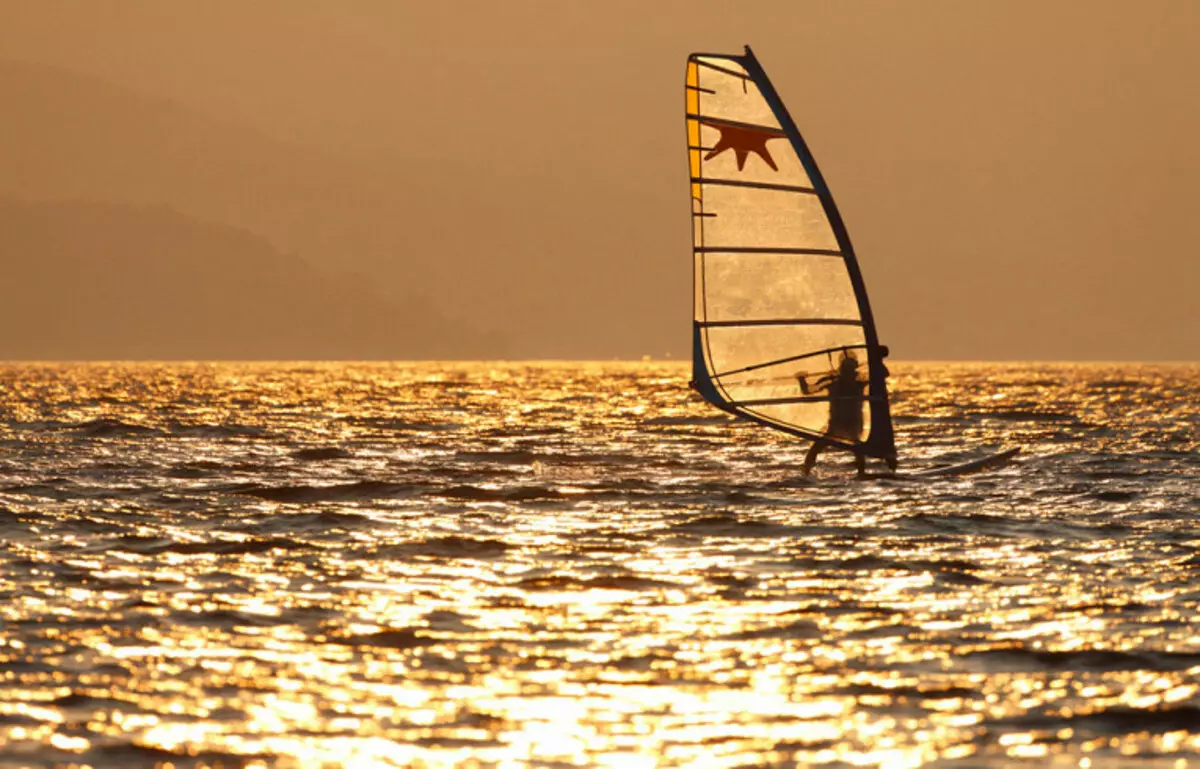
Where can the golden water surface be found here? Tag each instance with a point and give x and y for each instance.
(581, 565)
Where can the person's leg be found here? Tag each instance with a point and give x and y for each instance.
(811, 458)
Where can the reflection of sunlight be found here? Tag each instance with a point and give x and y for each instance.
(279, 715)
(175, 737)
(367, 752)
(589, 627)
(69, 744)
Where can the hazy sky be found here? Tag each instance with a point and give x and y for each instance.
(1020, 179)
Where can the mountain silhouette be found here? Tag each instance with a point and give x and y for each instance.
(69, 136)
(92, 280)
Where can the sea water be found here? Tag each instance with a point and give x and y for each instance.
(584, 565)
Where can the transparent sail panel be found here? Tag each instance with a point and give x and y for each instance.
(765, 286)
(745, 217)
(750, 372)
(773, 296)
(732, 97)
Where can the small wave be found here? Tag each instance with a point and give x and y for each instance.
(902, 419)
(642, 663)
(195, 470)
(33, 490)
(727, 526)
(857, 563)
(1119, 475)
(392, 638)
(217, 431)
(1111, 721)
(15, 719)
(910, 692)
(598, 458)
(79, 701)
(334, 493)
(446, 384)
(588, 466)
(798, 630)
(112, 428)
(628, 582)
(604, 582)
(611, 536)
(502, 457)
(57, 488)
(155, 545)
(959, 579)
(518, 431)
(442, 547)
(1115, 384)
(132, 754)
(460, 744)
(1018, 415)
(516, 494)
(684, 421)
(618, 488)
(449, 622)
(39, 425)
(34, 668)
(226, 619)
(1021, 659)
(400, 425)
(883, 631)
(1114, 495)
(324, 522)
(1127, 720)
(1159, 516)
(949, 571)
(1191, 561)
(982, 524)
(324, 452)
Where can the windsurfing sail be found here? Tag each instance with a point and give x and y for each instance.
(779, 299)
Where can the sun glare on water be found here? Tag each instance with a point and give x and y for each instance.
(580, 565)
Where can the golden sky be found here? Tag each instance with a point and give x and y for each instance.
(1020, 179)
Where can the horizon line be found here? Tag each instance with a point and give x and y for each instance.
(493, 361)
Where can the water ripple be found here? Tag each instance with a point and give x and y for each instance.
(582, 565)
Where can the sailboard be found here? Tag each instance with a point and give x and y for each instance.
(779, 298)
(939, 471)
(989, 462)
(780, 306)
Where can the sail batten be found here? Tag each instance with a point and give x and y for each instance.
(788, 359)
(774, 314)
(703, 61)
(780, 322)
(761, 250)
(784, 401)
(718, 122)
(753, 185)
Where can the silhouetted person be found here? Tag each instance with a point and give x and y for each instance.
(846, 395)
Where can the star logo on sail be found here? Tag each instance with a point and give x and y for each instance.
(743, 140)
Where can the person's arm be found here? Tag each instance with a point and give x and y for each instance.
(822, 383)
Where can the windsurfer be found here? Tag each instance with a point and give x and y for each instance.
(846, 395)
